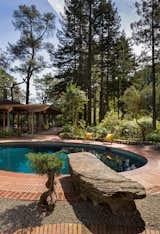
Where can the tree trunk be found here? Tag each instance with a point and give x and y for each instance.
(106, 106)
(118, 97)
(27, 90)
(43, 201)
(95, 109)
(153, 71)
(85, 113)
(101, 110)
(80, 73)
(90, 65)
(12, 95)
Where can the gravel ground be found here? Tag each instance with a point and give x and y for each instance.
(20, 214)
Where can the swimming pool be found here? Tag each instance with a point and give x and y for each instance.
(13, 156)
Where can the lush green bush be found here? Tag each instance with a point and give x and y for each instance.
(66, 135)
(99, 132)
(8, 133)
(110, 122)
(135, 129)
(125, 129)
(158, 127)
(128, 129)
(145, 126)
(46, 126)
(120, 128)
(73, 102)
(68, 128)
(72, 132)
(76, 134)
(59, 120)
(134, 102)
(153, 136)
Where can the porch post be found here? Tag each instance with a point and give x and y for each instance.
(32, 123)
(8, 120)
(4, 120)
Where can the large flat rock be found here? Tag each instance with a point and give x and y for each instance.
(95, 181)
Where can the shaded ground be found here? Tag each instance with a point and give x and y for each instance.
(20, 214)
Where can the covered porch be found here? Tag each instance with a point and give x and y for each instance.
(27, 118)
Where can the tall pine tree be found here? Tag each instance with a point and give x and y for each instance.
(147, 31)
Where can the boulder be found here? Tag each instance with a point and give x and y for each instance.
(97, 182)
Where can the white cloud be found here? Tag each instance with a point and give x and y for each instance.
(58, 5)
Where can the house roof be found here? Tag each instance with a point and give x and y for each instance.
(30, 108)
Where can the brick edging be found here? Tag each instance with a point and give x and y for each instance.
(27, 196)
(75, 228)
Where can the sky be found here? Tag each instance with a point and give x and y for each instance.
(126, 11)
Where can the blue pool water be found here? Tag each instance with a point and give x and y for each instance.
(13, 157)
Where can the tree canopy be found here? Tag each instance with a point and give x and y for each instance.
(93, 71)
(34, 27)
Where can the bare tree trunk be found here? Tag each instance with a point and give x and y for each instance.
(101, 110)
(90, 65)
(95, 110)
(153, 71)
(27, 90)
(43, 201)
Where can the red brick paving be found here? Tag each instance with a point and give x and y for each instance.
(70, 228)
(30, 186)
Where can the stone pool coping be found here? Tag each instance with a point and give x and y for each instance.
(29, 187)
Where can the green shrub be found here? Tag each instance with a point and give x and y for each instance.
(68, 128)
(46, 127)
(145, 126)
(59, 121)
(158, 127)
(135, 129)
(110, 122)
(153, 136)
(128, 129)
(78, 132)
(72, 132)
(100, 132)
(73, 102)
(82, 124)
(8, 133)
(66, 135)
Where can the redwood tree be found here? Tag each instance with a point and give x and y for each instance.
(146, 31)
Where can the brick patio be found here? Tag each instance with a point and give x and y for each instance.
(20, 186)
(29, 187)
(70, 228)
